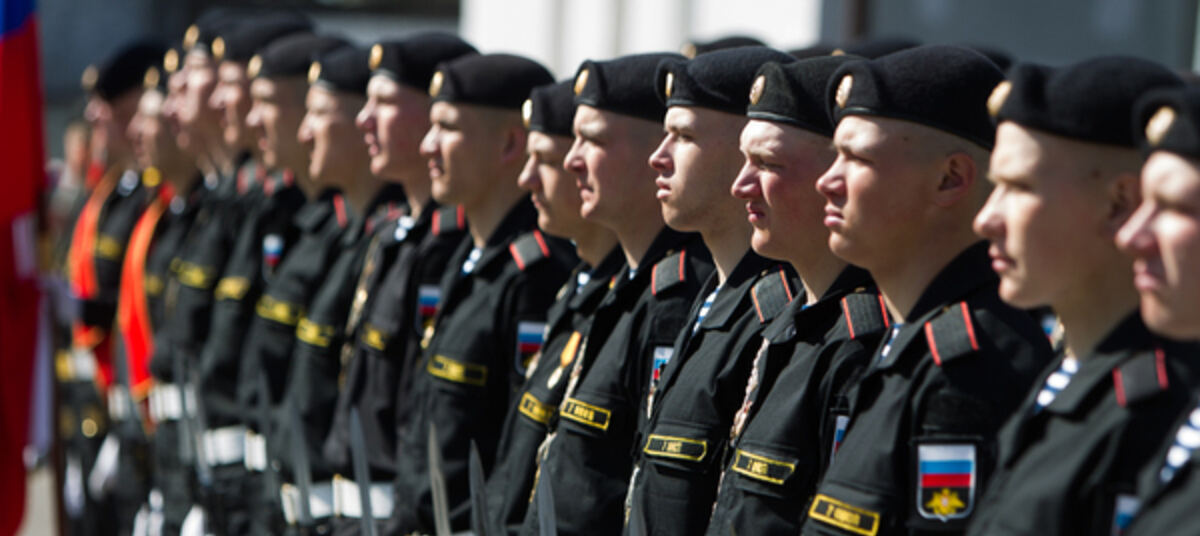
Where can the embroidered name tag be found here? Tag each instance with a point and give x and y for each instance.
(374, 337)
(194, 275)
(676, 447)
(762, 468)
(584, 413)
(314, 333)
(535, 409)
(232, 288)
(279, 311)
(457, 371)
(844, 516)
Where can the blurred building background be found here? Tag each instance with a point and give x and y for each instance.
(561, 33)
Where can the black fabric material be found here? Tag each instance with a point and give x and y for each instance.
(794, 93)
(551, 109)
(717, 80)
(939, 86)
(497, 80)
(878, 47)
(291, 55)
(812, 51)
(412, 61)
(241, 42)
(696, 48)
(623, 85)
(125, 70)
(200, 35)
(1180, 133)
(342, 69)
(1090, 101)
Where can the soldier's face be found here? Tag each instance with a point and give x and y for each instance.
(877, 190)
(608, 159)
(461, 150)
(151, 139)
(1045, 219)
(275, 112)
(550, 187)
(696, 164)
(336, 153)
(113, 118)
(231, 99)
(195, 115)
(1163, 237)
(393, 121)
(778, 184)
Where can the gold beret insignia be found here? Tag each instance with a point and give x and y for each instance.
(1159, 124)
(756, 90)
(376, 56)
(843, 90)
(314, 72)
(88, 79)
(435, 84)
(527, 112)
(255, 65)
(581, 81)
(999, 95)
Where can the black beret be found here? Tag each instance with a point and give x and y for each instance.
(940, 86)
(718, 80)
(341, 69)
(241, 42)
(1169, 120)
(1001, 58)
(551, 109)
(200, 35)
(497, 80)
(413, 60)
(623, 85)
(878, 47)
(1090, 101)
(692, 49)
(291, 55)
(123, 70)
(812, 51)
(794, 93)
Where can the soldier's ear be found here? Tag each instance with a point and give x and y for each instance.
(513, 148)
(1125, 194)
(958, 176)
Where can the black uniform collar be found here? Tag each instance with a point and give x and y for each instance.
(665, 243)
(971, 269)
(735, 290)
(314, 213)
(600, 277)
(850, 279)
(389, 193)
(521, 218)
(1125, 341)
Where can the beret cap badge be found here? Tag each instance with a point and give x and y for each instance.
(151, 78)
(581, 81)
(314, 72)
(435, 84)
(376, 56)
(669, 86)
(171, 61)
(88, 80)
(756, 90)
(999, 95)
(190, 36)
(843, 90)
(1159, 124)
(218, 48)
(527, 112)
(254, 66)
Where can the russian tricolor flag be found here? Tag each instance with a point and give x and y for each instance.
(23, 178)
(530, 336)
(946, 476)
(428, 298)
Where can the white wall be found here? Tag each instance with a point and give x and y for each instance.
(562, 33)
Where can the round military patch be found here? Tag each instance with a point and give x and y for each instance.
(151, 78)
(999, 95)
(669, 85)
(190, 36)
(254, 66)
(88, 79)
(843, 90)
(527, 112)
(218, 48)
(314, 72)
(435, 84)
(756, 90)
(1159, 124)
(581, 81)
(171, 61)
(376, 56)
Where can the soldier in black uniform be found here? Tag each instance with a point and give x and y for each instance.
(693, 399)
(793, 411)
(496, 292)
(587, 456)
(549, 113)
(1065, 170)
(338, 156)
(923, 419)
(277, 90)
(267, 204)
(1162, 240)
(401, 286)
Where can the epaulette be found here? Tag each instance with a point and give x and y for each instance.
(1140, 378)
(339, 208)
(951, 334)
(865, 313)
(529, 248)
(448, 220)
(771, 294)
(669, 272)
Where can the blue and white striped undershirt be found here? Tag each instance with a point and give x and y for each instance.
(1056, 383)
(472, 258)
(1187, 439)
(708, 303)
